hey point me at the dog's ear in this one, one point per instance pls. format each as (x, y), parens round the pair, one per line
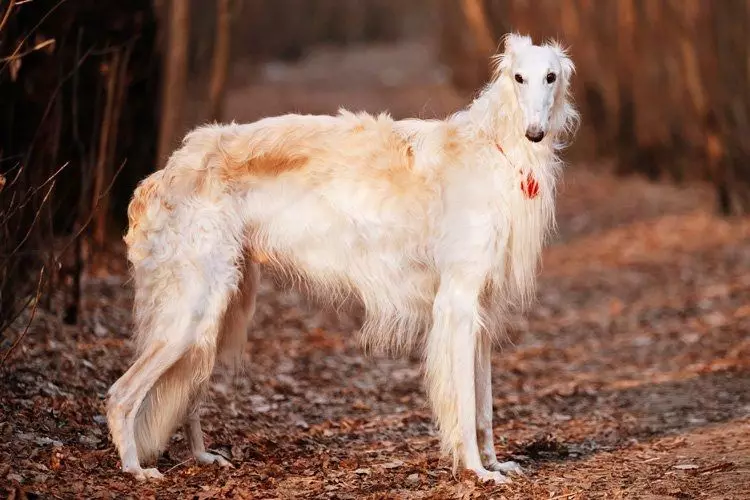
(569, 118)
(514, 42)
(568, 68)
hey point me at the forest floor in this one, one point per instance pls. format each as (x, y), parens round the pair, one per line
(629, 378)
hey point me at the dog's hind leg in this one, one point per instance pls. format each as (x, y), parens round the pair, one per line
(233, 336)
(183, 303)
(232, 341)
(194, 435)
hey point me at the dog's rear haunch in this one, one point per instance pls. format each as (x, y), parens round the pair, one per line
(437, 226)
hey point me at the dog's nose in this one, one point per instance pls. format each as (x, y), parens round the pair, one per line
(534, 134)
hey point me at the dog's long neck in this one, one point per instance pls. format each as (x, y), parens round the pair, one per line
(494, 113)
(495, 117)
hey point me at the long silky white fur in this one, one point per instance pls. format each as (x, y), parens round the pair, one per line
(344, 205)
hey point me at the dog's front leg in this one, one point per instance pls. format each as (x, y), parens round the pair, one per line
(451, 349)
(483, 373)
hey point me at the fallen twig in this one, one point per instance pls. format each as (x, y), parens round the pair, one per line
(563, 497)
(715, 468)
(178, 465)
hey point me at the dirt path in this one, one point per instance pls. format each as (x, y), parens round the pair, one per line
(630, 378)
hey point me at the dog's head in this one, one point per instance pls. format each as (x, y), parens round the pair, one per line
(540, 76)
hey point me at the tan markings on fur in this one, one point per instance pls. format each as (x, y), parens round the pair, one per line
(452, 143)
(202, 182)
(398, 173)
(266, 165)
(260, 257)
(142, 197)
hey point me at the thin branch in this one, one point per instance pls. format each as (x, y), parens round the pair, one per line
(33, 30)
(31, 319)
(52, 99)
(51, 178)
(70, 241)
(36, 218)
(36, 47)
(17, 169)
(16, 314)
(11, 5)
(178, 465)
(91, 215)
(5, 215)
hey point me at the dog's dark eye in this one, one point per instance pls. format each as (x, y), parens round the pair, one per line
(519, 78)
(551, 77)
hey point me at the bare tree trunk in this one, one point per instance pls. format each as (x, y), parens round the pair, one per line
(103, 169)
(175, 78)
(466, 42)
(220, 60)
(479, 28)
(117, 84)
(732, 21)
(625, 68)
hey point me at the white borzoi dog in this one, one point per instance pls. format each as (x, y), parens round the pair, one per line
(436, 225)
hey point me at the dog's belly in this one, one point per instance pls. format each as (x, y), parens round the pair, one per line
(386, 264)
(384, 259)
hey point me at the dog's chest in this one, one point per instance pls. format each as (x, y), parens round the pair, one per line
(522, 212)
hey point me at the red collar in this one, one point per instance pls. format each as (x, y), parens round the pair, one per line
(529, 184)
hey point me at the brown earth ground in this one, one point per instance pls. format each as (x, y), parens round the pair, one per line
(630, 378)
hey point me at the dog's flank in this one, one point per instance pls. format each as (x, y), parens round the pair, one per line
(431, 224)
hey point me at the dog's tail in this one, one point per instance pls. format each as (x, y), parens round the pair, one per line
(169, 401)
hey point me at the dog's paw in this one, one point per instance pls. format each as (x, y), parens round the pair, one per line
(206, 458)
(144, 474)
(508, 467)
(497, 477)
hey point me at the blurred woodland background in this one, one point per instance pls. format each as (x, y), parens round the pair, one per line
(626, 379)
(95, 94)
